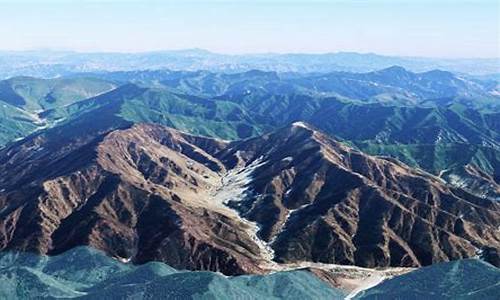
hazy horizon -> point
(433, 29)
(75, 51)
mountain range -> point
(436, 121)
(147, 192)
(47, 63)
(308, 178)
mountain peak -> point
(233, 207)
(438, 74)
(394, 70)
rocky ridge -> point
(293, 196)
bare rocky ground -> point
(291, 199)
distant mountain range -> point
(59, 63)
(393, 85)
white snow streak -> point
(234, 187)
(369, 282)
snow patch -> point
(369, 282)
(300, 124)
(234, 184)
(234, 187)
(287, 217)
(124, 260)
(457, 181)
(479, 253)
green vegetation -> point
(444, 134)
(35, 95)
(15, 123)
(24, 102)
(221, 119)
(463, 279)
(86, 273)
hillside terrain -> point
(465, 279)
(329, 181)
(23, 101)
(436, 121)
(84, 273)
(147, 192)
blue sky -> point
(439, 28)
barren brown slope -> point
(152, 193)
(138, 194)
(318, 200)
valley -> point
(217, 212)
(459, 141)
(355, 178)
(249, 150)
